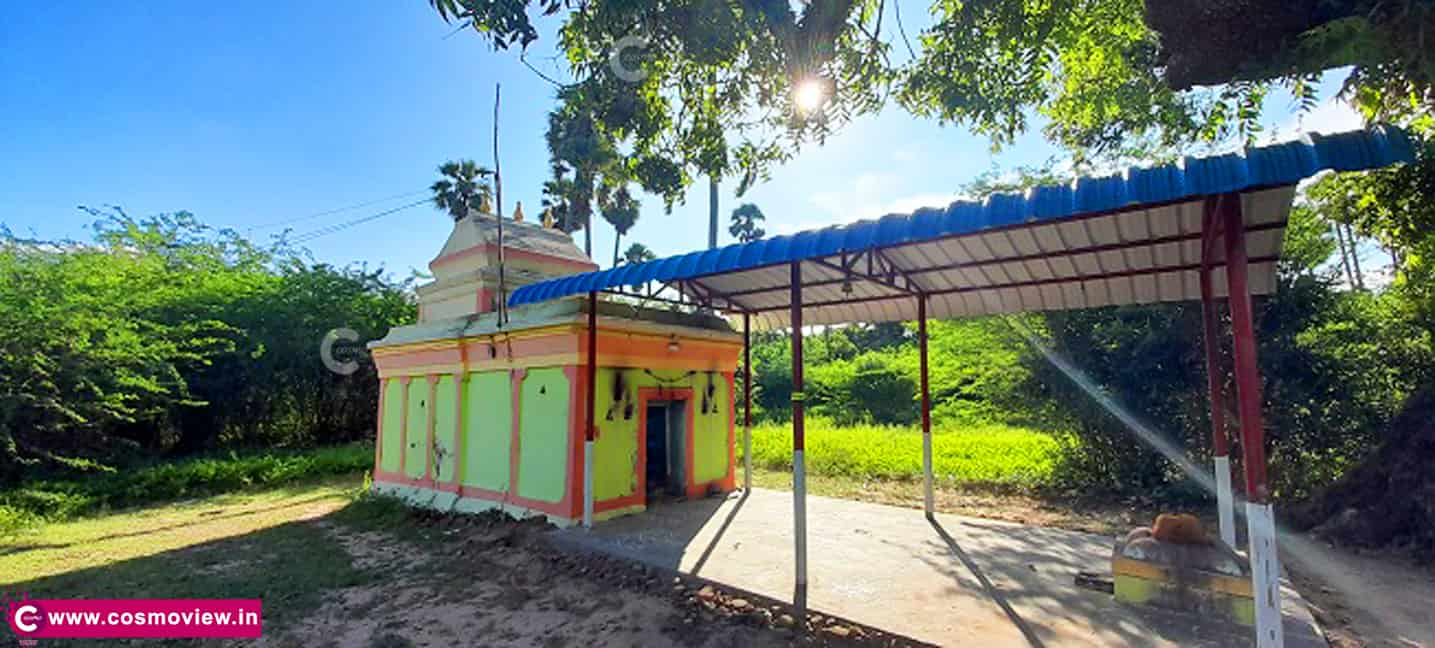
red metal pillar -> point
(799, 468)
(929, 500)
(746, 402)
(1248, 380)
(1220, 447)
(591, 388)
(1260, 519)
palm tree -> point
(745, 221)
(638, 253)
(557, 191)
(463, 187)
(576, 143)
(620, 209)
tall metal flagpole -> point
(498, 208)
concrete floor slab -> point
(957, 580)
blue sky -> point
(248, 114)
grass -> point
(55, 500)
(989, 456)
(251, 545)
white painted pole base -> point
(588, 483)
(1225, 504)
(1265, 575)
(799, 504)
(746, 458)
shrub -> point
(54, 500)
(988, 456)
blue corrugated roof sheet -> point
(1266, 166)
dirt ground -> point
(1360, 598)
(492, 581)
(1364, 598)
(338, 572)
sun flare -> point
(809, 95)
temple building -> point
(482, 408)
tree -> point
(163, 336)
(620, 209)
(638, 253)
(716, 80)
(464, 187)
(704, 87)
(745, 223)
(577, 145)
(556, 192)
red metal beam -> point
(1091, 249)
(714, 293)
(799, 469)
(928, 501)
(589, 429)
(862, 276)
(746, 369)
(798, 424)
(1014, 226)
(1248, 380)
(1210, 317)
(592, 363)
(1022, 284)
(746, 403)
(894, 269)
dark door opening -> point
(664, 441)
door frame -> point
(664, 394)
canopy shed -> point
(1201, 229)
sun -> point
(809, 95)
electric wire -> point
(339, 227)
(338, 210)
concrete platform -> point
(957, 580)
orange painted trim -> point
(514, 348)
(458, 382)
(404, 423)
(474, 352)
(577, 415)
(379, 425)
(622, 349)
(515, 442)
(430, 421)
(514, 253)
(646, 394)
(730, 483)
(403, 480)
(418, 357)
(473, 492)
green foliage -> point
(702, 88)
(620, 209)
(463, 188)
(53, 500)
(975, 369)
(1337, 365)
(713, 86)
(638, 253)
(990, 455)
(745, 225)
(164, 337)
